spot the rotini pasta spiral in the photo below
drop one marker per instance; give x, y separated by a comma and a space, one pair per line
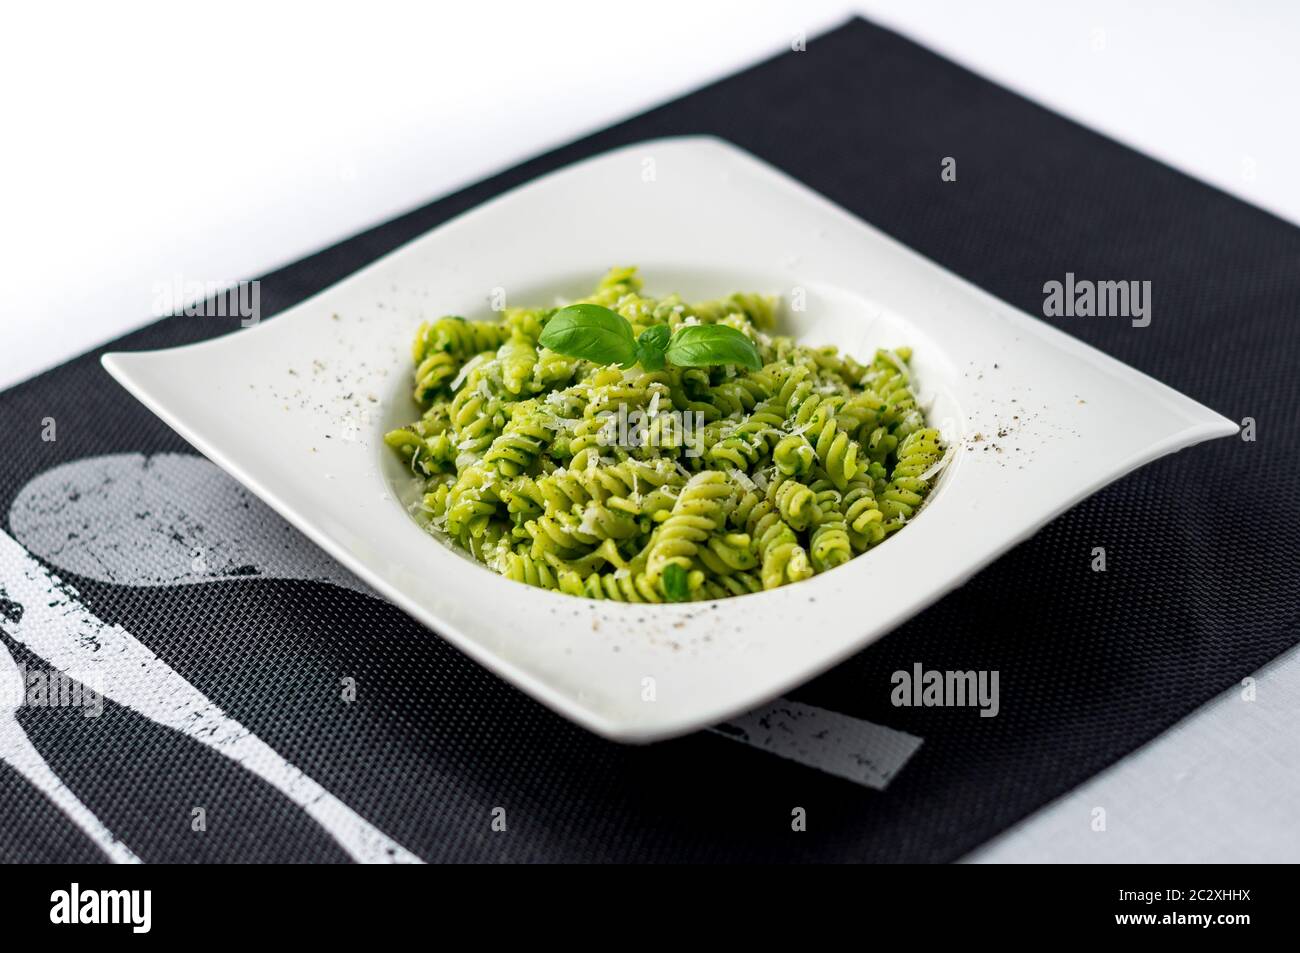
829, 544
697, 515
908, 486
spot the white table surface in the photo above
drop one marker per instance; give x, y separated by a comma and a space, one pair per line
217, 141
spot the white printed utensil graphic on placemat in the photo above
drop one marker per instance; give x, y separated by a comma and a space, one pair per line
47, 618
165, 520
176, 519
17, 751
139, 521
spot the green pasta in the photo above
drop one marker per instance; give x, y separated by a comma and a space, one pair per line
661, 485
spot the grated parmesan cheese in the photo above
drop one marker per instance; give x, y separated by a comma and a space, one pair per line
938, 465
741, 477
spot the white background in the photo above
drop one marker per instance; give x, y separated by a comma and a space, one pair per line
216, 141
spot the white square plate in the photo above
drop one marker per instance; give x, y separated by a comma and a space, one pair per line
295, 408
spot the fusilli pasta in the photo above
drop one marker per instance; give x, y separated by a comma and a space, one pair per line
729, 482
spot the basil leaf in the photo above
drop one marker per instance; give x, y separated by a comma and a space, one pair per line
592, 333
676, 586
651, 345
702, 345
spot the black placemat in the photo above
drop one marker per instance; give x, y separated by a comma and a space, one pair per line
1200, 587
